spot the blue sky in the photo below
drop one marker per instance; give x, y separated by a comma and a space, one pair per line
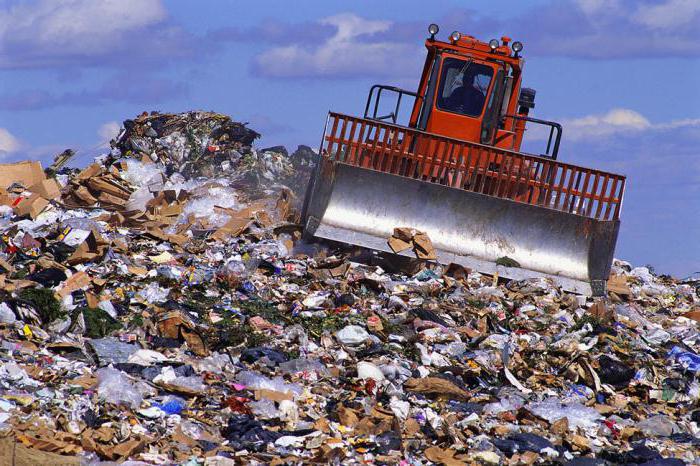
621, 76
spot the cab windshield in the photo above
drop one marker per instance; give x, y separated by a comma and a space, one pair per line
463, 86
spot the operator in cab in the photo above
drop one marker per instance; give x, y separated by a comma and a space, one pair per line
468, 96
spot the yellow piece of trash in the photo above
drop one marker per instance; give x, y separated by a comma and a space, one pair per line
162, 258
27, 332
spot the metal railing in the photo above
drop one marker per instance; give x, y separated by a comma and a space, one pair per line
380, 88
554, 138
473, 167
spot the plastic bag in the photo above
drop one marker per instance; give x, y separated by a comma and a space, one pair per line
171, 405
577, 414
145, 357
264, 409
167, 375
110, 350
113, 386
303, 365
270, 248
690, 361
153, 293
507, 403
139, 199
7, 316
255, 381
352, 335
367, 370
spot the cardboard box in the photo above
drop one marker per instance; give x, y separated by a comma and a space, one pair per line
5, 198
27, 173
32, 206
89, 172
48, 189
618, 285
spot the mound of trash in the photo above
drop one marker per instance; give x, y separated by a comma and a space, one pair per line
160, 306
192, 143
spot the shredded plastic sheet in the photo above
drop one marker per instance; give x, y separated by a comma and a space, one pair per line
205, 205
577, 414
260, 382
143, 175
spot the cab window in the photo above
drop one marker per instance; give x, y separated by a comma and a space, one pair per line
463, 86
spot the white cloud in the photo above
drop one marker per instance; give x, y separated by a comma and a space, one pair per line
593, 7
45, 33
8, 143
108, 131
350, 26
610, 29
684, 123
350, 52
666, 15
86, 25
614, 122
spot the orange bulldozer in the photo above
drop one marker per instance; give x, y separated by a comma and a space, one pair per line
454, 171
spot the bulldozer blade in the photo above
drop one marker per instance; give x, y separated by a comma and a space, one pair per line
362, 207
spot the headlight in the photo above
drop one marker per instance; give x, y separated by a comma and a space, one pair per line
493, 43
517, 46
433, 29
455, 36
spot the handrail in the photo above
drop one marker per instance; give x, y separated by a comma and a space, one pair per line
553, 126
381, 87
474, 167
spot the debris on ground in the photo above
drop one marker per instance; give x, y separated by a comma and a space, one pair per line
161, 306
404, 238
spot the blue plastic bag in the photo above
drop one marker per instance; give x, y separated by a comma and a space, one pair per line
690, 361
171, 405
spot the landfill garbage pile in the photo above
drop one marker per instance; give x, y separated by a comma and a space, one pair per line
154, 308
193, 143
211, 145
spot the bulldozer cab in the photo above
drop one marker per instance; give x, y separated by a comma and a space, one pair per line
450, 165
469, 90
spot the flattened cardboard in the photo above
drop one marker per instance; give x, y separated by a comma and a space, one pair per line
105, 185
6, 266
171, 210
92, 248
5, 198
84, 195
404, 238
618, 285
89, 172
398, 245
273, 395
27, 173
403, 233
424, 247
48, 189
107, 198
77, 281
234, 227
161, 235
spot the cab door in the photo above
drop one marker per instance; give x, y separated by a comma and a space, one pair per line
463, 91
462, 94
